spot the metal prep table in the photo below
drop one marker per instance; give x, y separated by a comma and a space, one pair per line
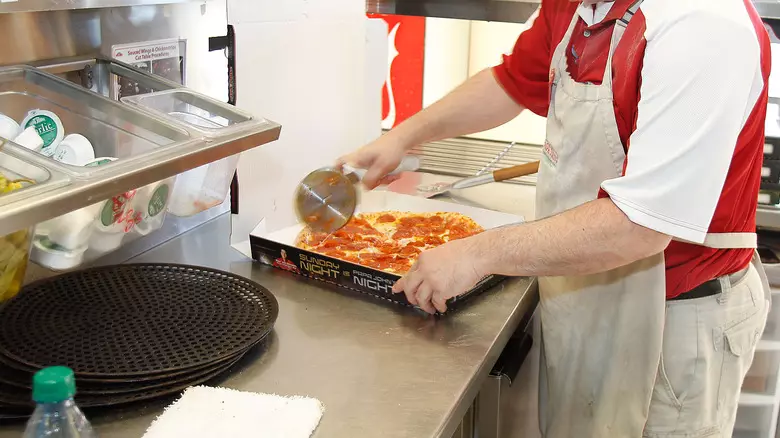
380, 370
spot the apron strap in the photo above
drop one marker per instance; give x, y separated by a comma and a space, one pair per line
623, 22
727, 241
617, 35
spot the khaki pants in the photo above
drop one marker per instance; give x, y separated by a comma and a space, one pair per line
707, 350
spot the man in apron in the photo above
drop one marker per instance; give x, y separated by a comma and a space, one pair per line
652, 298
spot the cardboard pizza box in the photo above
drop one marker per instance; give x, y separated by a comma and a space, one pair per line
277, 248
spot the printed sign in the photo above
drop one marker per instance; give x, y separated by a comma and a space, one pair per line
162, 58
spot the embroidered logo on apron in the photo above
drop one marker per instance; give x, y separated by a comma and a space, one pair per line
550, 153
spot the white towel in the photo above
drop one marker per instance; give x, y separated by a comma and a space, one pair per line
204, 411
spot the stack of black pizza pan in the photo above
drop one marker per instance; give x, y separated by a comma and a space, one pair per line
129, 332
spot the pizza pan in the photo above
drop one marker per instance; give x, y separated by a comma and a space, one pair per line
20, 375
125, 321
23, 381
15, 398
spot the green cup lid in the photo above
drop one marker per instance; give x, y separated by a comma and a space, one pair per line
53, 385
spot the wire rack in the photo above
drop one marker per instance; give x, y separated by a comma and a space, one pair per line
467, 157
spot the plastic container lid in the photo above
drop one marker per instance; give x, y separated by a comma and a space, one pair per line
53, 385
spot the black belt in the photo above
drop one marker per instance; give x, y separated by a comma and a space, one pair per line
708, 289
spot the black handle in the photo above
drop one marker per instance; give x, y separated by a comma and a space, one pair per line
228, 43
516, 350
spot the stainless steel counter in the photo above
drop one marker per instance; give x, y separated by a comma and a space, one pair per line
380, 370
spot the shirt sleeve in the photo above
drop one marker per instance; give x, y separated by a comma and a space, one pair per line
698, 88
524, 74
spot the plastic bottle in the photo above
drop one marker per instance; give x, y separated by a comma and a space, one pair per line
56, 414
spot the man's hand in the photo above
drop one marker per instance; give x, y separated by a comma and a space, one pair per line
594, 237
378, 158
452, 116
442, 273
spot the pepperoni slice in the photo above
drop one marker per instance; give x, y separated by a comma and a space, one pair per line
403, 234
356, 246
411, 221
385, 218
433, 240
387, 248
409, 250
333, 243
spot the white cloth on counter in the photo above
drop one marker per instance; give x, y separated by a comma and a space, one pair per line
204, 411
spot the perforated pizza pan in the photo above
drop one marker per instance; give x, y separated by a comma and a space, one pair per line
135, 320
18, 399
20, 375
23, 381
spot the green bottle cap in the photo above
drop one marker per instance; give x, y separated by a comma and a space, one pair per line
53, 385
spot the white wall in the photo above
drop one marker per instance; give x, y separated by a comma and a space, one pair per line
302, 63
446, 63
450, 44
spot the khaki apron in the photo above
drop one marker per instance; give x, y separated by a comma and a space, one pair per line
602, 334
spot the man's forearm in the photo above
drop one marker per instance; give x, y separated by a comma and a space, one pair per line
477, 105
594, 237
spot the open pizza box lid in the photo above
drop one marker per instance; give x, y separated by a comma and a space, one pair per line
277, 248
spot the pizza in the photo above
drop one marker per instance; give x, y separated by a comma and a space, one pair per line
389, 241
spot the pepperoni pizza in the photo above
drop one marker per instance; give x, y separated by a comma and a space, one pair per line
389, 241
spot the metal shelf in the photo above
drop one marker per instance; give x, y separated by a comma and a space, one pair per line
149, 141
514, 11
81, 193
768, 216
9, 6
767, 8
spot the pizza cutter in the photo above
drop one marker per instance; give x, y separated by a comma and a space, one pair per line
508, 173
326, 199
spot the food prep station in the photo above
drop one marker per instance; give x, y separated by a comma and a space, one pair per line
155, 184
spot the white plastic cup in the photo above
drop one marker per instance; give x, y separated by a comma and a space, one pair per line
73, 230
75, 150
103, 241
100, 161
30, 139
9, 129
152, 202
52, 256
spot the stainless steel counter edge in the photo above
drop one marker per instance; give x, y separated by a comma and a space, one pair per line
525, 306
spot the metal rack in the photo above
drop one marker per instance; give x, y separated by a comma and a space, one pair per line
467, 157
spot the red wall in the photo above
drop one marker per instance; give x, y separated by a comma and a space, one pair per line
406, 36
